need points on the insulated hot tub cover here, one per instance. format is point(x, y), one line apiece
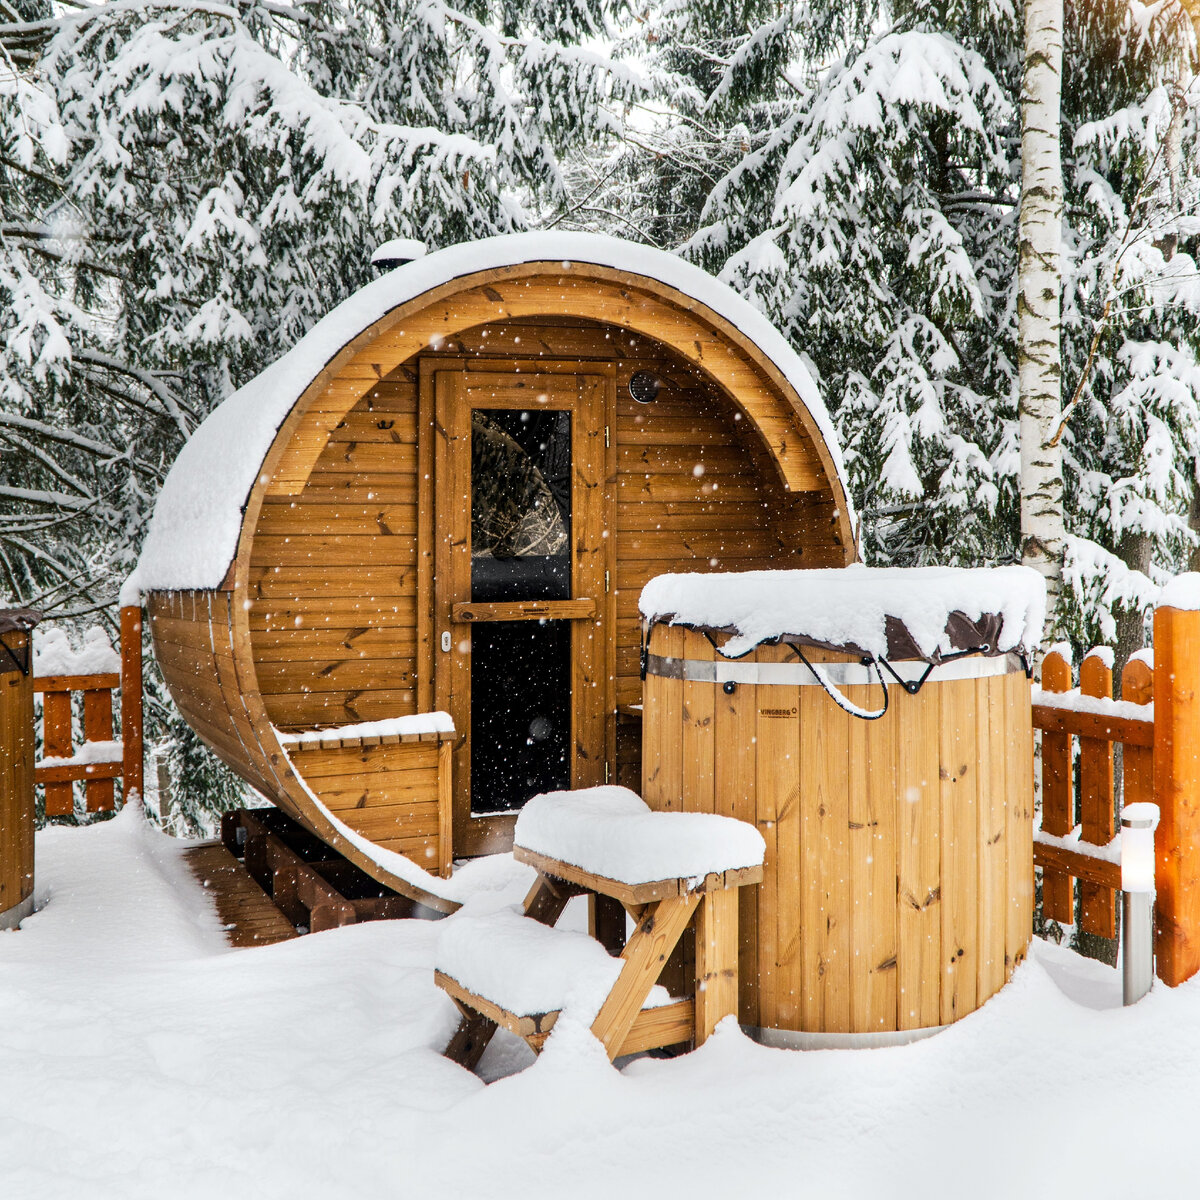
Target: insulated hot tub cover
point(897, 613)
point(18, 620)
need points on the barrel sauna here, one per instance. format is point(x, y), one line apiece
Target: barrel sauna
point(16, 765)
point(898, 893)
point(446, 500)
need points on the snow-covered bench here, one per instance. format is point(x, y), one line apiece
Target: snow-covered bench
point(666, 870)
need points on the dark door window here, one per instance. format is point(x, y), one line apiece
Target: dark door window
point(520, 550)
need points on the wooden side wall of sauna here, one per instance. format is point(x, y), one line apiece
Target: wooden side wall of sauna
point(393, 794)
point(333, 584)
point(899, 876)
point(193, 645)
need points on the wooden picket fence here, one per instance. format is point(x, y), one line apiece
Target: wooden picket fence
point(101, 758)
point(1157, 723)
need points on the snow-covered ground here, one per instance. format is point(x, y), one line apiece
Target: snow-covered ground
point(139, 1056)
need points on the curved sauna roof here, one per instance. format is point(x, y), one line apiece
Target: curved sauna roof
point(198, 517)
point(289, 569)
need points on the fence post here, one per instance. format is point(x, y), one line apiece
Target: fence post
point(1058, 796)
point(1097, 904)
point(1177, 791)
point(131, 700)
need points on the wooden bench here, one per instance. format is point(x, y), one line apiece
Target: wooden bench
point(662, 910)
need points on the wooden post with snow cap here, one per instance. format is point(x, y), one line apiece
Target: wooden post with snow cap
point(131, 700)
point(1177, 778)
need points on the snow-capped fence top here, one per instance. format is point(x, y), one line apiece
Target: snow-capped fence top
point(54, 653)
point(193, 534)
point(897, 613)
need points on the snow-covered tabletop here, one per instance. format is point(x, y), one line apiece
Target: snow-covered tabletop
point(611, 832)
point(884, 612)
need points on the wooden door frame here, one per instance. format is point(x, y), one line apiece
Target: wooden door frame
point(444, 538)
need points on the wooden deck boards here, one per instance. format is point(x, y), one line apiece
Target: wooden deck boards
point(247, 912)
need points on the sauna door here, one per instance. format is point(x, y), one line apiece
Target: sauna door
point(521, 576)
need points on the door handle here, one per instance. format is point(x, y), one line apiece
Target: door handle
point(525, 610)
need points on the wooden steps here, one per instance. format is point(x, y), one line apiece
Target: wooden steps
point(272, 880)
point(247, 912)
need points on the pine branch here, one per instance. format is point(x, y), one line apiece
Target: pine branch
point(624, 220)
point(55, 469)
point(146, 379)
point(55, 499)
point(1128, 240)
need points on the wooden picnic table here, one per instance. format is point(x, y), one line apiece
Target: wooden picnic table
point(662, 910)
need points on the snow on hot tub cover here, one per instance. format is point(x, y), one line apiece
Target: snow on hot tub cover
point(197, 518)
point(884, 612)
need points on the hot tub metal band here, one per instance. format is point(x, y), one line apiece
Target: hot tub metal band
point(843, 674)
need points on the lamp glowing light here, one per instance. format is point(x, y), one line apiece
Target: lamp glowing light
point(1138, 822)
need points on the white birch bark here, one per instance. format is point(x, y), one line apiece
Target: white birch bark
point(1039, 299)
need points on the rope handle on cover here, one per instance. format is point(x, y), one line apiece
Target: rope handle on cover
point(836, 696)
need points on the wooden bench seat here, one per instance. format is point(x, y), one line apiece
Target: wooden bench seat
point(520, 973)
point(303, 741)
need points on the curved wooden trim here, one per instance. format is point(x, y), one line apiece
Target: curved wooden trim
point(613, 297)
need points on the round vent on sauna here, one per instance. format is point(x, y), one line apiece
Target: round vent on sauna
point(645, 386)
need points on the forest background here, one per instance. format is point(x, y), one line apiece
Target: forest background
point(187, 187)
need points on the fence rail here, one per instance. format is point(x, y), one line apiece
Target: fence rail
point(1157, 724)
point(102, 757)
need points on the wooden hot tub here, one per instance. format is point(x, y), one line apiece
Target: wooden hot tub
point(898, 893)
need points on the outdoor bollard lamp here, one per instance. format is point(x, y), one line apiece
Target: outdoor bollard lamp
point(1138, 822)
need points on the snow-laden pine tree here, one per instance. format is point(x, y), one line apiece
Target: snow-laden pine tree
point(187, 187)
point(1131, 321)
point(856, 173)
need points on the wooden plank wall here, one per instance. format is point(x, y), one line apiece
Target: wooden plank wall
point(333, 566)
point(696, 489)
point(193, 645)
point(387, 793)
point(333, 573)
point(898, 889)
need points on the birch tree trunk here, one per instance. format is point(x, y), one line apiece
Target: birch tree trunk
point(1039, 300)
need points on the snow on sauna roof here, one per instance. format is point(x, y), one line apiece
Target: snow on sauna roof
point(889, 612)
point(193, 533)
